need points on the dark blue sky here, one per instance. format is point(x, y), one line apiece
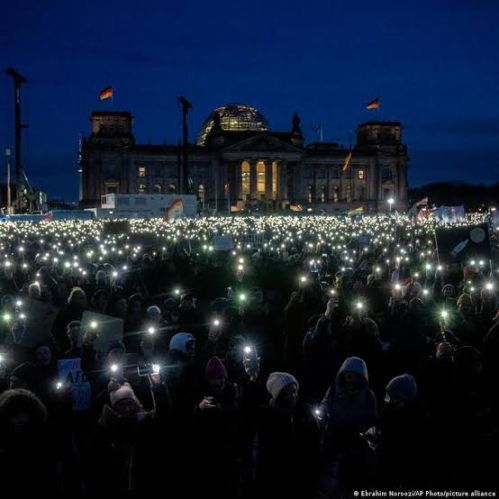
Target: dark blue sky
point(433, 63)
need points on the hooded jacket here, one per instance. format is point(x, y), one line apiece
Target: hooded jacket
point(348, 415)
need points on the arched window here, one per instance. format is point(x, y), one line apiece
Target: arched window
point(141, 188)
point(172, 189)
point(310, 193)
point(157, 188)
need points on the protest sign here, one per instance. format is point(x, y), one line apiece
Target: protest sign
point(71, 374)
point(40, 317)
point(109, 329)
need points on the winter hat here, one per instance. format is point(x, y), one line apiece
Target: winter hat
point(215, 369)
point(179, 342)
point(124, 392)
point(27, 372)
point(153, 310)
point(278, 381)
point(403, 387)
point(354, 365)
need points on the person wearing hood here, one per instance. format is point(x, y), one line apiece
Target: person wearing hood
point(288, 442)
point(27, 458)
point(349, 409)
point(401, 436)
point(123, 452)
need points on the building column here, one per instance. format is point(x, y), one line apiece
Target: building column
point(268, 179)
point(237, 181)
point(253, 192)
point(282, 183)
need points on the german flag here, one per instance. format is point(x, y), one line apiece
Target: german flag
point(107, 93)
point(374, 104)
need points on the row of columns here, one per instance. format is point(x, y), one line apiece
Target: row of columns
point(232, 175)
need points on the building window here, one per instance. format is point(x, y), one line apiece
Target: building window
point(362, 193)
point(141, 189)
point(335, 173)
point(360, 174)
point(172, 189)
point(323, 195)
point(386, 174)
point(141, 171)
point(275, 182)
point(260, 177)
point(245, 179)
point(310, 194)
point(387, 193)
point(157, 188)
point(158, 171)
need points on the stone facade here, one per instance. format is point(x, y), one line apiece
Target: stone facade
point(250, 169)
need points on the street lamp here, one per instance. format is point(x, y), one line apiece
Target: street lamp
point(390, 203)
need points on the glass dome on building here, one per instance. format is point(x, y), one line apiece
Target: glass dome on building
point(234, 118)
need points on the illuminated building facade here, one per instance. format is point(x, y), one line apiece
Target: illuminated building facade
point(239, 162)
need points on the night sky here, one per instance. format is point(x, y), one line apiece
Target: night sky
point(432, 63)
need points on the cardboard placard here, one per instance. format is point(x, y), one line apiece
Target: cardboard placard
point(71, 374)
point(40, 317)
point(109, 329)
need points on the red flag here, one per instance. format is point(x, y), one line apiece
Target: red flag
point(374, 104)
point(107, 93)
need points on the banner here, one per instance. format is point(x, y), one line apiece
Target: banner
point(462, 244)
point(71, 374)
point(109, 329)
point(223, 243)
point(40, 317)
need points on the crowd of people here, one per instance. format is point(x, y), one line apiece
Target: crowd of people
point(245, 358)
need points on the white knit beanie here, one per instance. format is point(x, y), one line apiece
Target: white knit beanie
point(125, 391)
point(278, 381)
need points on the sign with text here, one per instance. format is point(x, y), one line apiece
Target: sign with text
point(71, 374)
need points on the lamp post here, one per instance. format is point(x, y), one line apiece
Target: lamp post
point(9, 200)
point(390, 203)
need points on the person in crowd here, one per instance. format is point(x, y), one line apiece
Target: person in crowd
point(216, 431)
point(125, 446)
point(27, 459)
point(401, 437)
point(288, 442)
point(321, 353)
point(72, 311)
point(348, 409)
